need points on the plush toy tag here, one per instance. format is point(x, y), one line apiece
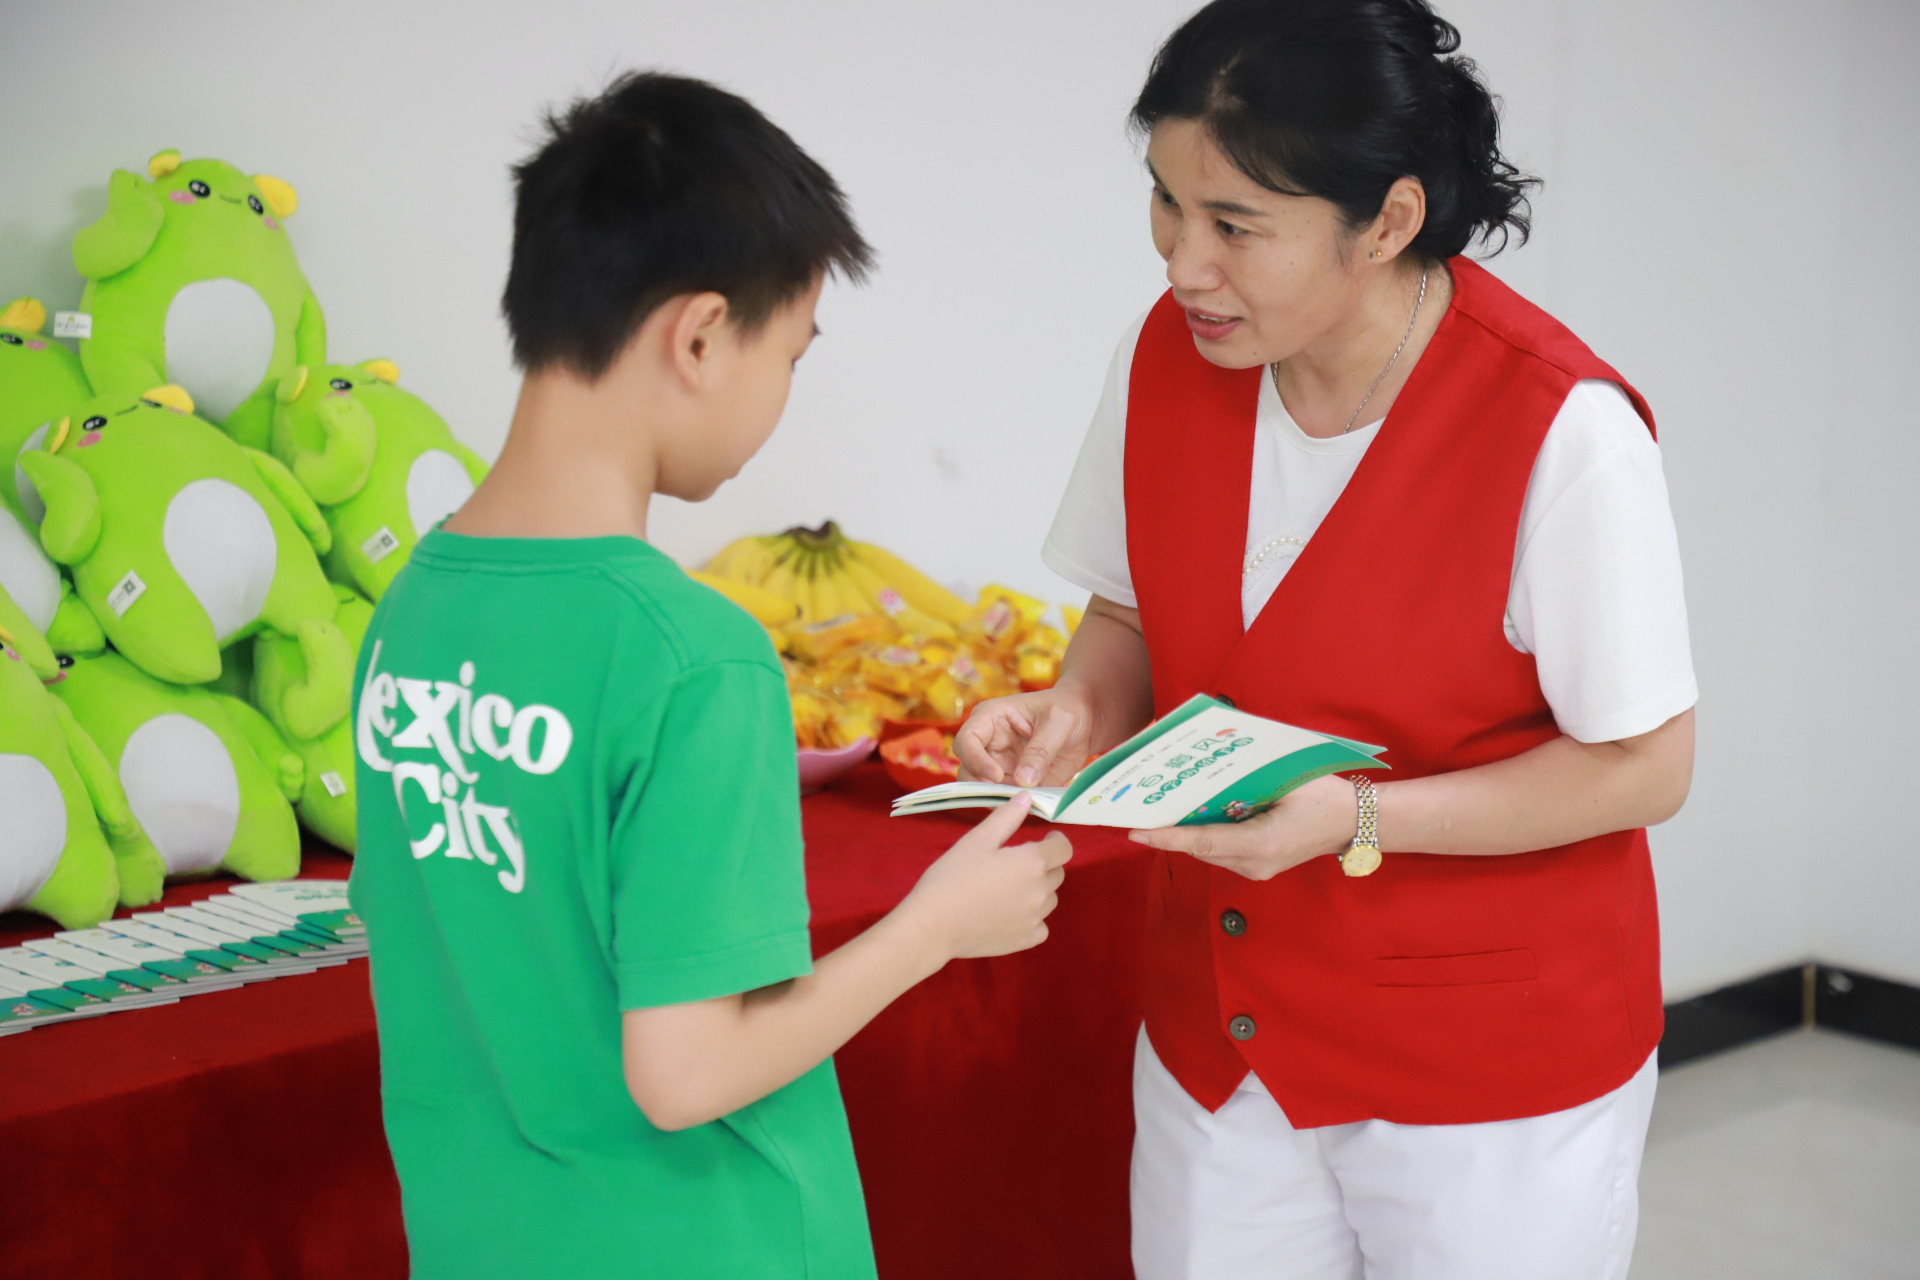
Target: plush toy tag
point(124, 593)
point(72, 324)
point(336, 785)
point(381, 545)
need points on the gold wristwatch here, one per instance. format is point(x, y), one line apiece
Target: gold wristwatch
point(1362, 857)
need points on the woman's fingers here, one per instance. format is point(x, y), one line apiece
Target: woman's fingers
point(989, 743)
point(1058, 726)
point(1206, 843)
point(976, 759)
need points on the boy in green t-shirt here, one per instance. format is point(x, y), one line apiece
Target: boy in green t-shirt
point(605, 1049)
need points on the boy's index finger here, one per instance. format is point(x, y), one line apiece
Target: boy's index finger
point(1000, 825)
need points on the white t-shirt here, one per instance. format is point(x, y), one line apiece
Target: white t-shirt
point(1596, 593)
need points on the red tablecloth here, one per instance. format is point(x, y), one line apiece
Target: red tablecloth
point(237, 1134)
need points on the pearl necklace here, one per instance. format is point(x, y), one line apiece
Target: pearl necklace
point(1266, 549)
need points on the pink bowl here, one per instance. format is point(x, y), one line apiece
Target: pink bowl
point(820, 769)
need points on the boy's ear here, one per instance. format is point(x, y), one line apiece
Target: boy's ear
point(698, 320)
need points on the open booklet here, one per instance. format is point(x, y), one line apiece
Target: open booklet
point(1203, 762)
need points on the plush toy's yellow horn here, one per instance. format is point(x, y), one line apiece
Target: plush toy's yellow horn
point(280, 195)
point(385, 370)
point(24, 314)
point(6, 637)
point(59, 436)
point(172, 396)
point(163, 163)
point(292, 383)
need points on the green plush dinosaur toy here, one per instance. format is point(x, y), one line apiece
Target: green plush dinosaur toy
point(326, 805)
point(40, 380)
point(56, 792)
point(206, 776)
point(181, 541)
point(382, 465)
point(192, 281)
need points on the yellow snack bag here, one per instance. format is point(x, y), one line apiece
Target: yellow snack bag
point(985, 672)
point(823, 640)
point(853, 721)
point(1004, 616)
point(886, 706)
point(938, 653)
point(1037, 667)
point(1045, 637)
point(841, 677)
point(944, 700)
point(966, 671)
point(896, 669)
point(812, 718)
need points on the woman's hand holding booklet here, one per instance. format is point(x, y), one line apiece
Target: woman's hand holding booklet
point(1204, 762)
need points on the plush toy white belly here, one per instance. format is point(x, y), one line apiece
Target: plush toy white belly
point(219, 337)
point(35, 830)
point(26, 573)
point(221, 544)
point(183, 789)
point(437, 485)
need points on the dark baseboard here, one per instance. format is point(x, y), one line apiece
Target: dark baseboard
point(1806, 995)
point(1863, 1005)
point(1734, 1015)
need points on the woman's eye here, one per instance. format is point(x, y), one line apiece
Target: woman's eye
point(200, 188)
point(340, 384)
point(1228, 230)
point(96, 422)
point(253, 203)
point(1165, 198)
point(11, 340)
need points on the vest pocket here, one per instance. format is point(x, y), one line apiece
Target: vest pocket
point(1517, 965)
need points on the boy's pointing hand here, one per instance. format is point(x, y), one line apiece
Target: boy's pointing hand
point(985, 897)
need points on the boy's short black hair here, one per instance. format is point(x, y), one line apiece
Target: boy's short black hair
point(660, 186)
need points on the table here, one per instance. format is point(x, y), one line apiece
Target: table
point(237, 1134)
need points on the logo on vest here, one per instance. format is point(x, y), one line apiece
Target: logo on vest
point(450, 722)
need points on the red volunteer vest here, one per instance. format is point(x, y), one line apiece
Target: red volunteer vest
point(1439, 990)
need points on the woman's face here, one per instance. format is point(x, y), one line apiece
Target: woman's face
point(1261, 275)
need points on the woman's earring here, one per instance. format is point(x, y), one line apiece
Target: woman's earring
point(1375, 253)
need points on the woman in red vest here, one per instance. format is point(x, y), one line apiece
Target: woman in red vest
point(1343, 477)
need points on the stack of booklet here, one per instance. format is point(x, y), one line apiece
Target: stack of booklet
point(256, 932)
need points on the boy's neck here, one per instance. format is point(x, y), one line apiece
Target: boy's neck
point(579, 462)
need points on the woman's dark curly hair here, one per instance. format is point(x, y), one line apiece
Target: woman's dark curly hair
point(1341, 98)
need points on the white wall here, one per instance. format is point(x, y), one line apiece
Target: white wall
point(1723, 220)
point(1862, 875)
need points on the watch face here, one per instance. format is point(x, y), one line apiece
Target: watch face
point(1360, 860)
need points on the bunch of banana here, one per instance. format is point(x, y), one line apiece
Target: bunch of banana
point(769, 610)
point(828, 575)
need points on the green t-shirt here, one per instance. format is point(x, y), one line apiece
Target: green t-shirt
point(577, 796)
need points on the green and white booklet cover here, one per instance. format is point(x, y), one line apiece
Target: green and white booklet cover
point(1203, 762)
point(317, 904)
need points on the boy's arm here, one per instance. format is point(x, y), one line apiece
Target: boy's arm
point(688, 1064)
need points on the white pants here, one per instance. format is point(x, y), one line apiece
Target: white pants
point(1241, 1194)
